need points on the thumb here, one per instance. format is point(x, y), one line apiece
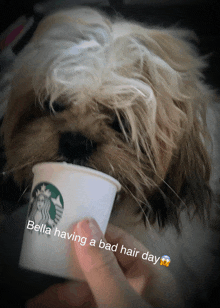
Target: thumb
point(102, 271)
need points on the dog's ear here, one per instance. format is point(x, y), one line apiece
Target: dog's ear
point(173, 68)
point(20, 101)
point(8, 201)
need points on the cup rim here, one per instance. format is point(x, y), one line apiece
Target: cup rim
point(81, 169)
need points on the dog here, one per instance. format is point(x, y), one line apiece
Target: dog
point(130, 101)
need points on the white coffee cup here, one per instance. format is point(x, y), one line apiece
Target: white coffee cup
point(63, 194)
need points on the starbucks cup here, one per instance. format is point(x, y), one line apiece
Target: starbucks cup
point(63, 194)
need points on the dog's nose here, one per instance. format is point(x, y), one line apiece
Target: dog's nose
point(75, 146)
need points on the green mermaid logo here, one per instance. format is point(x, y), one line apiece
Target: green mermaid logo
point(46, 205)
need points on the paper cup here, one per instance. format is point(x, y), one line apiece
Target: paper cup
point(63, 194)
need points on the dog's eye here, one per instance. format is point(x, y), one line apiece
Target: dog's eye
point(56, 107)
point(117, 125)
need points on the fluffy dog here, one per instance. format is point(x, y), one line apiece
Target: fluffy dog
point(124, 99)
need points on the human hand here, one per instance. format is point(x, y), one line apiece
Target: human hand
point(113, 279)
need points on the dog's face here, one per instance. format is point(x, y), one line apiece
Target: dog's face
point(113, 96)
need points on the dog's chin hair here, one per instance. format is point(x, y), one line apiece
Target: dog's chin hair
point(100, 69)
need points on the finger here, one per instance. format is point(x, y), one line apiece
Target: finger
point(130, 251)
point(102, 271)
point(117, 235)
point(160, 287)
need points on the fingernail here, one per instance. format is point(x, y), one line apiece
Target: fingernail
point(89, 229)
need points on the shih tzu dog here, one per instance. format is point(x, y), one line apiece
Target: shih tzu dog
point(127, 100)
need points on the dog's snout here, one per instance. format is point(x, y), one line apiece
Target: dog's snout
point(75, 146)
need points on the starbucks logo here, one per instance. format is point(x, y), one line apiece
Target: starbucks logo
point(46, 205)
